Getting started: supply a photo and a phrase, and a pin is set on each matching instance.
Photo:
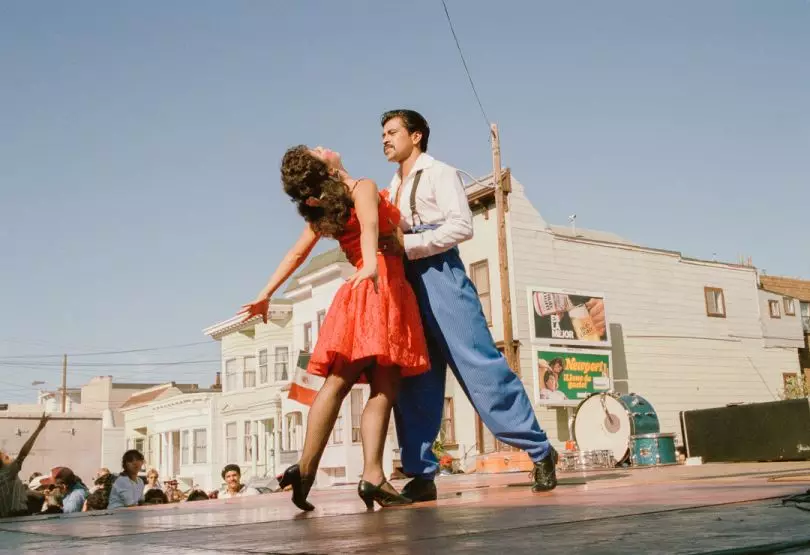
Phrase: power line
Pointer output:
(466, 69)
(119, 352)
(37, 364)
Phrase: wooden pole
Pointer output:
(503, 259)
(64, 381)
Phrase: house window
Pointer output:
(231, 375)
(448, 422)
(153, 458)
(790, 306)
(337, 431)
(230, 442)
(805, 310)
(308, 337)
(715, 302)
(184, 447)
(773, 309)
(250, 372)
(321, 317)
(479, 273)
(357, 413)
(248, 439)
(139, 445)
(200, 446)
(282, 363)
(295, 424)
(263, 366)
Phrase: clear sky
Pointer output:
(140, 143)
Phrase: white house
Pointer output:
(685, 333)
(174, 428)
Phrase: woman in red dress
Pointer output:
(372, 331)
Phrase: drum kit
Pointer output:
(612, 429)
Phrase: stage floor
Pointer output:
(679, 509)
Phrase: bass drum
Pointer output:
(607, 421)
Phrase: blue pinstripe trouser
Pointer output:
(458, 336)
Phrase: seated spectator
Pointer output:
(13, 493)
(232, 475)
(197, 495)
(155, 497)
(98, 500)
(99, 478)
(127, 490)
(73, 490)
(53, 502)
(152, 481)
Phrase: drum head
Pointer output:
(602, 423)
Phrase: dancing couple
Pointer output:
(408, 312)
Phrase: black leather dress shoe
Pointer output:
(420, 489)
(544, 474)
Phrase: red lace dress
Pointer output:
(362, 323)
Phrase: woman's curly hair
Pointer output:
(304, 176)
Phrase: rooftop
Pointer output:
(791, 287)
(157, 392)
(318, 262)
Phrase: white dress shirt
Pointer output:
(440, 200)
(244, 491)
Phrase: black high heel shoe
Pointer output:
(300, 485)
(370, 493)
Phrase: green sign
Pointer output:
(566, 375)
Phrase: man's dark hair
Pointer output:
(557, 360)
(231, 467)
(155, 497)
(413, 122)
(131, 456)
(197, 495)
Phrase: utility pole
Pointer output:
(64, 381)
(503, 259)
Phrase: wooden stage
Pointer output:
(679, 509)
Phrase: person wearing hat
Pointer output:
(74, 492)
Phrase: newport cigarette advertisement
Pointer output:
(567, 376)
(568, 317)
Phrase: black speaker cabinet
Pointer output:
(774, 431)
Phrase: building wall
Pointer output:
(677, 357)
(72, 441)
(780, 329)
(99, 394)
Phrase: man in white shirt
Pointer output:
(436, 218)
(234, 487)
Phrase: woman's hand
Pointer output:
(366, 272)
(259, 307)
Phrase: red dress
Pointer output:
(362, 323)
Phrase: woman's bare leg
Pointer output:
(374, 422)
(324, 413)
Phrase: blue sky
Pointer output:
(140, 142)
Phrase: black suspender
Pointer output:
(414, 214)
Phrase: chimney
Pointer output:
(217, 381)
